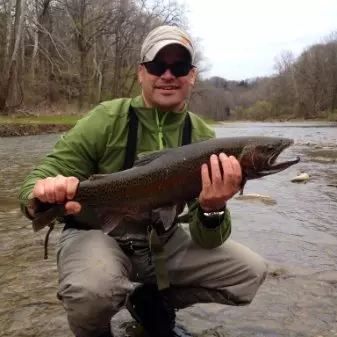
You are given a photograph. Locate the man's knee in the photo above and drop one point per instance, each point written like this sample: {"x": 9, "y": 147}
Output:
{"x": 95, "y": 295}
{"x": 230, "y": 274}
{"x": 90, "y": 303}
{"x": 93, "y": 274}
{"x": 251, "y": 273}
{"x": 257, "y": 269}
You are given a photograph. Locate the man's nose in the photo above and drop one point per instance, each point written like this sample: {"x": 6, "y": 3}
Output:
{"x": 167, "y": 74}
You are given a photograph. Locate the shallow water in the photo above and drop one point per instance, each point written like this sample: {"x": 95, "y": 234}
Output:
{"x": 297, "y": 235}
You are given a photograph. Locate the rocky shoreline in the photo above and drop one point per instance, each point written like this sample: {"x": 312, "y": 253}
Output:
{"x": 27, "y": 129}
{"x": 16, "y": 130}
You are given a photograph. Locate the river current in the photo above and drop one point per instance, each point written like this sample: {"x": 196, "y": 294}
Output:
{"x": 297, "y": 235}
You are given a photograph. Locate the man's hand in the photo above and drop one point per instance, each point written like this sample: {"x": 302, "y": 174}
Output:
{"x": 217, "y": 188}
{"x": 57, "y": 190}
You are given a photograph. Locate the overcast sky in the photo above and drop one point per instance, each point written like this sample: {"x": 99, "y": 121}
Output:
{"x": 241, "y": 38}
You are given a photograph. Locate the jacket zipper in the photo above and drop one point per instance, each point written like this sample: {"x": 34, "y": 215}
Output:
{"x": 160, "y": 125}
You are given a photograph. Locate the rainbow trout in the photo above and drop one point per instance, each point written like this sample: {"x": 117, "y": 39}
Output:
{"x": 168, "y": 177}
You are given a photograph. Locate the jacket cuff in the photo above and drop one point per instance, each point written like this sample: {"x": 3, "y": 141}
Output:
{"x": 211, "y": 222}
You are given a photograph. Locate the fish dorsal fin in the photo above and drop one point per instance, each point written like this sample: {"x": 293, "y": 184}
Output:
{"x": 97, "y": 176}
{"x": 147, "y": 157}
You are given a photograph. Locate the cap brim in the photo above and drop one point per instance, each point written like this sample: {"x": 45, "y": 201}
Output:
{"x": 151, "y": 54}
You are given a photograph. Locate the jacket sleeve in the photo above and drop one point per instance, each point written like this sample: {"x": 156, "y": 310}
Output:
{"x": 74, "y": 154}
{"x": 206, "y": 237}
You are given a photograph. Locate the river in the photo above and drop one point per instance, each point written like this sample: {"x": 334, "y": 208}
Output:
{"x": 297, "y": 235}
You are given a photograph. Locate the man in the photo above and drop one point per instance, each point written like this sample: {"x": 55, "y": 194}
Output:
{"x": 98, "y": 273}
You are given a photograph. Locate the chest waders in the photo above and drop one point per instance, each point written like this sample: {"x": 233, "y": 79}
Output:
{"x": 156, "y": 248}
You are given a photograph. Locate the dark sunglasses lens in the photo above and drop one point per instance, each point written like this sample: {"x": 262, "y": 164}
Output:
{"x": 155, "y": 68}
{"x": 177, "y": 69}
{"x": 180, "y": 69}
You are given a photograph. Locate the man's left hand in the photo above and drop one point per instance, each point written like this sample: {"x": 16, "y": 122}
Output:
{"x": 217, "y": 188}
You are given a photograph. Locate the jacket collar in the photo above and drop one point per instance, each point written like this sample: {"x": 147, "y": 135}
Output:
{"x": 150, "y": 117}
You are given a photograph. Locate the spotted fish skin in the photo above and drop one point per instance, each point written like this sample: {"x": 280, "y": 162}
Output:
{"x": 172, "y": 176}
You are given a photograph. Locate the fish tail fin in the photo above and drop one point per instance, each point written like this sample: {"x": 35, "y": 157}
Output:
{"x": 50, "y": 213}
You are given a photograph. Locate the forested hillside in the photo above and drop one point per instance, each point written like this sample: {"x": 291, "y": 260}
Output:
{"x": 65, "y": 56}
{"x": 304, "y": 87}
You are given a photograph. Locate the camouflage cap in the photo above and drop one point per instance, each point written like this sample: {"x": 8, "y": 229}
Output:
{"x": 162, "y": 36}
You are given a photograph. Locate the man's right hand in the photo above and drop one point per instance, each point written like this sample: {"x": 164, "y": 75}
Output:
{"x": 57, "y": 190}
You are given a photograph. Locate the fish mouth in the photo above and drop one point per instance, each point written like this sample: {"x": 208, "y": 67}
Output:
{"x": 275, "y": 167}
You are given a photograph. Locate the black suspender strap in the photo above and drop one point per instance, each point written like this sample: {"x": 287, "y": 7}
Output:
{"x": 187, "y": 131}
{"x": 130, "y": 155}
{"x": 131, "y": 146}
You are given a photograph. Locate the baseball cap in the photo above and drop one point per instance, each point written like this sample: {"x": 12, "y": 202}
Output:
{"x": 161, "y": 37}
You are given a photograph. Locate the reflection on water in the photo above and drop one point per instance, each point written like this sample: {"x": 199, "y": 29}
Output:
{"x": 297, "y": 235}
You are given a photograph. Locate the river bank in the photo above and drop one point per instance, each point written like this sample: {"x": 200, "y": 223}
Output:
{"x": 39, "y": 125}
{"x": 15, "y": 130}
{"x": 36, "y": 125}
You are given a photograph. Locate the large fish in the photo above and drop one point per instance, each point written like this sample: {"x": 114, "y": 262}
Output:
{"x": 169, "y": 177}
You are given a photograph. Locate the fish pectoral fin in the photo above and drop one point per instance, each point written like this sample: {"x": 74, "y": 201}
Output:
{"x": 148, "y": 157}
{"x": 242, "y": 185}
{"x": 247, "y": 149}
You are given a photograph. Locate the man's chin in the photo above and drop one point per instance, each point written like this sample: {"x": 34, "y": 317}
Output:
{"x": 169, "y": 103}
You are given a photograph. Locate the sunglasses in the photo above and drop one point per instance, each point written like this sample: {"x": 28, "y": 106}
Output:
{"x": 178, "y": 69}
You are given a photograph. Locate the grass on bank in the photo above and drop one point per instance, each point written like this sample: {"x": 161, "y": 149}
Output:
{"x": 57, "y": 119}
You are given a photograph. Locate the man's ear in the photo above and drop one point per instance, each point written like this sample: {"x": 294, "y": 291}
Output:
{"x": 140, "y": 73}
{"x": 193, "y": 76}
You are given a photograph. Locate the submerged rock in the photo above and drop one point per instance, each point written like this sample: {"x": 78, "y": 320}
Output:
{"x": 257, "y": 197}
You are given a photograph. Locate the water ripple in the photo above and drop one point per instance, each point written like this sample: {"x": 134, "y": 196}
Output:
{"x": 298, "y": 237}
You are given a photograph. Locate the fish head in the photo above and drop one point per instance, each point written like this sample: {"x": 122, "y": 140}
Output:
{"x": 258, "y": 158}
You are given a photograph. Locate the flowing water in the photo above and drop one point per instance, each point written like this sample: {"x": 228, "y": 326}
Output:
{"x": 297, "y": 235}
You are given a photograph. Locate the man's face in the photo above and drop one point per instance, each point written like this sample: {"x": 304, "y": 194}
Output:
{"x": 167, "y": 91}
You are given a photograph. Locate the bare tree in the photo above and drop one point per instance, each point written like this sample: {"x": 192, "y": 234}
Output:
{"x": 9, "y": 79}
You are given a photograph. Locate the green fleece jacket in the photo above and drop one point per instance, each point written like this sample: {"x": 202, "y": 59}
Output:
{"x": 97, "y": 143}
